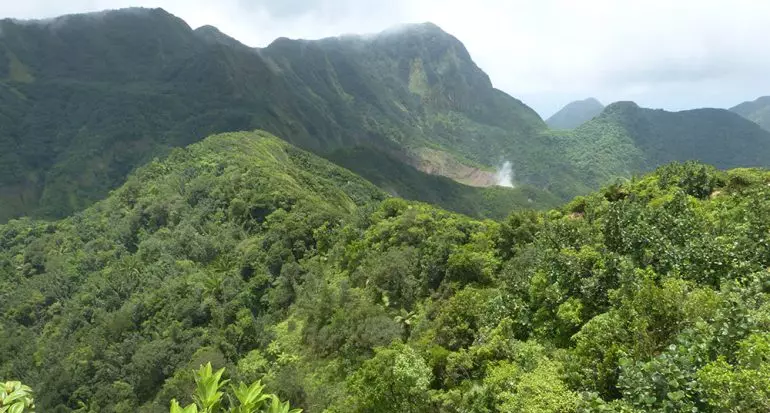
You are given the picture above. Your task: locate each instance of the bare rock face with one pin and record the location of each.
(436, 162)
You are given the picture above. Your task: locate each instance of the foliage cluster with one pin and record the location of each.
(250, 254)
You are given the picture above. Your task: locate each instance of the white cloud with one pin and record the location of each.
(661, 53)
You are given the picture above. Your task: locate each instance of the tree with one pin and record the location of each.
(396, 379)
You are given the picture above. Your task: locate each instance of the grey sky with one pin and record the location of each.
(672, 54)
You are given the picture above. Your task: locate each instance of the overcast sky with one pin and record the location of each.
(672, 54)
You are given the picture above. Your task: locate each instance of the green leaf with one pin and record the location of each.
(676, 396)
(176, 408)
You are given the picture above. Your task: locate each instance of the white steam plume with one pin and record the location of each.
(504, 175)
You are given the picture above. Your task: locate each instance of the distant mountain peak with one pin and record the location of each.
(96, 15)
(413, 28)
(425, 55)
(423, 31)
(591, 101)
(575, 114)
(621, 106)
(757, 111)
(78, 29)
(213, 35)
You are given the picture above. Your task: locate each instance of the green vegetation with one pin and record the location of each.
(75, 121)
(15, 398)
(407, 182)
(269, 265)
(626, 139)
(247, 253)
(209, 397)
(757, 111)
(156, 292)
(575, 114)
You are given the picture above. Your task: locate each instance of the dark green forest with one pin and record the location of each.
(248, 253)
(85, 99)
(626, 139)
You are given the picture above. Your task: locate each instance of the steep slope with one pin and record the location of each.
(251, 254)
(87, 98)
(409, 183)
(757, 111)
(575, 114)
(247, 206)
(407, 79)
(627, 139)
(105, 93)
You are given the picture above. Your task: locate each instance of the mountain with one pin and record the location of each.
(575, 114)
(757, 111)
(248, 253)
(626, 139)
(405, 181)
(85, 99)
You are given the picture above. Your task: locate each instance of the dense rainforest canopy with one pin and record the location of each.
(146, 267)
(248, 253)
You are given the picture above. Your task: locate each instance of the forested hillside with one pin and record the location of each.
(757, 111)
(575, 114)
(251, 254)
(84, 99)
(627, 139)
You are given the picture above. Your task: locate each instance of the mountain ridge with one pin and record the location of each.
(76, 117)
(172, 85)
(575, 114)
(757, 111)
(626, 139)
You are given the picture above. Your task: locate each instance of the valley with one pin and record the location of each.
(363, 223)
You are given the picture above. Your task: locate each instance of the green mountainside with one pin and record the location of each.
(419, 81)
(575, 114)
(248, 253)
(757, 111)
(407, 182)
(85, 99)
(627, 139)
(160, 237)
